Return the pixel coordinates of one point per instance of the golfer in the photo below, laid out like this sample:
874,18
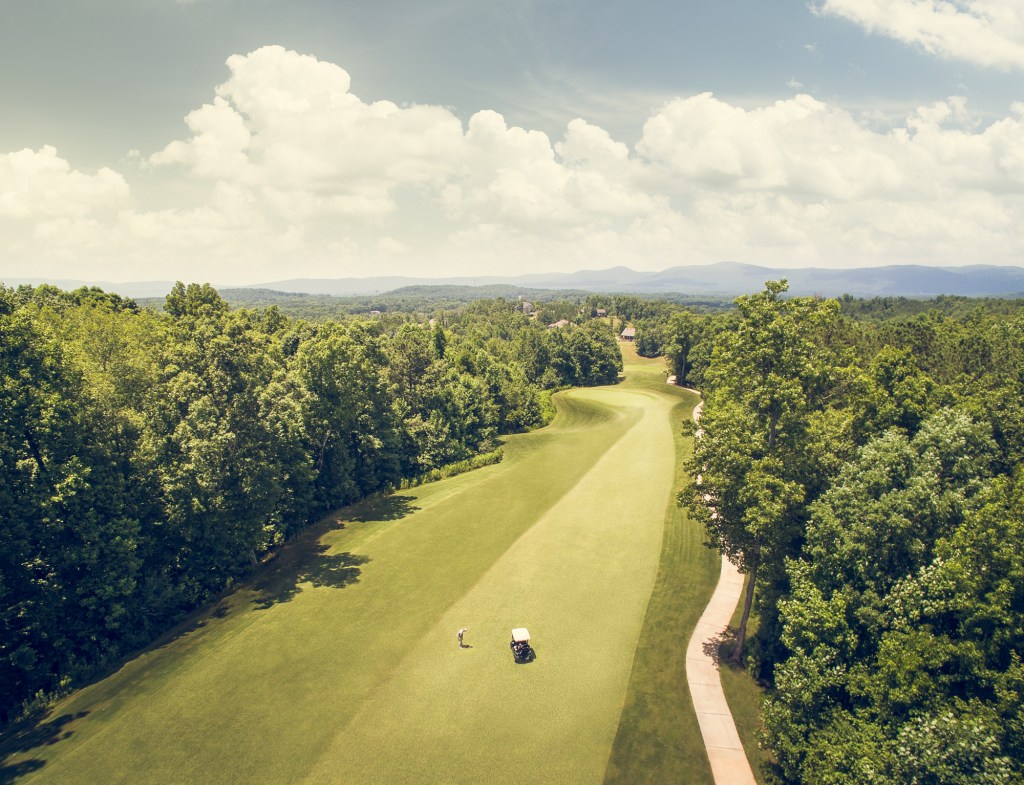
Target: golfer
459,635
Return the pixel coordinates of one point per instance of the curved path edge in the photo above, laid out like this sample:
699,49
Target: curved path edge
729,764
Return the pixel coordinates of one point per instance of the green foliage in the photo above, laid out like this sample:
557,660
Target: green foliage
556,310
69,512
683,333
905,621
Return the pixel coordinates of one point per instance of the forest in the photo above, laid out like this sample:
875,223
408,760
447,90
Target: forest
861,462
149,459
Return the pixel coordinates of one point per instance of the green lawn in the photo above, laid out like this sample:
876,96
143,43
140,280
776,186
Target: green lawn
339,663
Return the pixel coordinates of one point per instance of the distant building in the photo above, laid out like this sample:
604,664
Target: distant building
629,334
527,308
602,312
559,324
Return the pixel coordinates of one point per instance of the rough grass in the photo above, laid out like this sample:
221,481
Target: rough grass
338,662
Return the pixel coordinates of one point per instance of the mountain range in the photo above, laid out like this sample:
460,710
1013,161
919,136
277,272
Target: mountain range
726,279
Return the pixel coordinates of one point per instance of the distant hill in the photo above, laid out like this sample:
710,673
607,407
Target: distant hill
724,279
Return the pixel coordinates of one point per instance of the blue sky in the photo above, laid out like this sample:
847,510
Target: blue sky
241,141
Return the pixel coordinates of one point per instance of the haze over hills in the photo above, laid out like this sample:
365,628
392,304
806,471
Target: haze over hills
725,279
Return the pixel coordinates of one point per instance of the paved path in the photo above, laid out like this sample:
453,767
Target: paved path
729,763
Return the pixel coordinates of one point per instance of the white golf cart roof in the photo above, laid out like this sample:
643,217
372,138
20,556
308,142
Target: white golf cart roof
521,635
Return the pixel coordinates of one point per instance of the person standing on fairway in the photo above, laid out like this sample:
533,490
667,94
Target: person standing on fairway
459,635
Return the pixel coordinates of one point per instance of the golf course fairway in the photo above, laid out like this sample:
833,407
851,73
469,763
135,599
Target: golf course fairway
338,662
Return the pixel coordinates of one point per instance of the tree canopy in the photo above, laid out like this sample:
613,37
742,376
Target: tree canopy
865,471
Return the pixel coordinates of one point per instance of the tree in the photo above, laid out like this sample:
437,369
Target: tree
219,455
897,393
751,466
347,411
683,331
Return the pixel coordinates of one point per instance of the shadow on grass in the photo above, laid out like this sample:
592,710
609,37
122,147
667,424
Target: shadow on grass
304,560
10,773
29,735
310,564
385,508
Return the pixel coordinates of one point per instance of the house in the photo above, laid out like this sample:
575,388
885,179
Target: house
559,324
527,308
629,334
601,312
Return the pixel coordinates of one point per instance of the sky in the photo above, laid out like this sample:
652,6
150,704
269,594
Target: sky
247,141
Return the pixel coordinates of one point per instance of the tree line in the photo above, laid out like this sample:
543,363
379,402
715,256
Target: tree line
861,463
149,459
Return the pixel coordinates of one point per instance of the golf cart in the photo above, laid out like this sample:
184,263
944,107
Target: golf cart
521,649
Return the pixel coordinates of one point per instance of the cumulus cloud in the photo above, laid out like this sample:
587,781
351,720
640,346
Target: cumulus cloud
287,129
985,32
285,171
809,179
286,126
799,146
38,183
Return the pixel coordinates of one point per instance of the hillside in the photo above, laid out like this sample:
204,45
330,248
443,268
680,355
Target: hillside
723,279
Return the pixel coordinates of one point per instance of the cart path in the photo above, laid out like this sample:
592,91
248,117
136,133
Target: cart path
729,763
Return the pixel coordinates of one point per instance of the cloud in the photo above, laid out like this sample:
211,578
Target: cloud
984,32
49,209
801,147
808,179
286,172
286,126
38,183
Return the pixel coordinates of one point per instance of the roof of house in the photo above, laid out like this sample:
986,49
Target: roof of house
629,332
